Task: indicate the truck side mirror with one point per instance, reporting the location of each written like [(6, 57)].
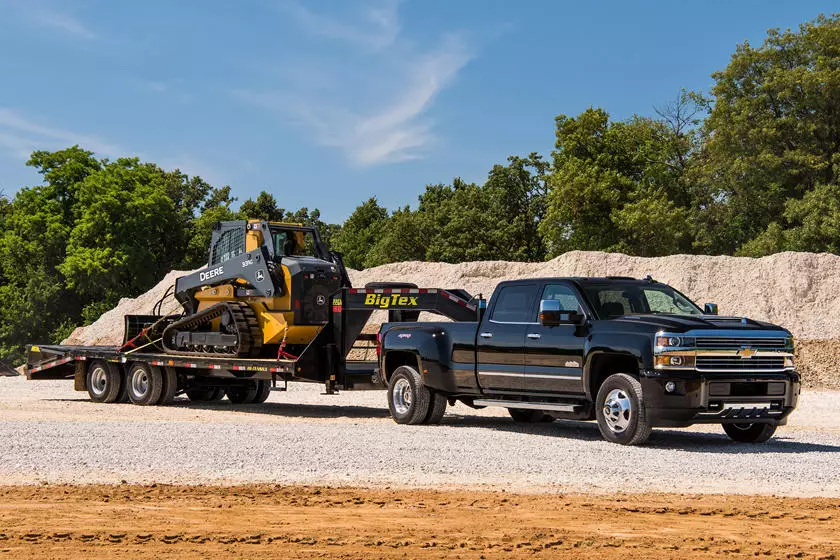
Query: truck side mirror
[(710, 309), (552, 315)]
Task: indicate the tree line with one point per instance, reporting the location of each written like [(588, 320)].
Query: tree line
[(750, 168)]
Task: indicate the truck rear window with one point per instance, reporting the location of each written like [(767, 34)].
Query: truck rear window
[(514, 304)]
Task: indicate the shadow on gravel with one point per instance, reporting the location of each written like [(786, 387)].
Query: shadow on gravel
[(666, 439), (291, 409)]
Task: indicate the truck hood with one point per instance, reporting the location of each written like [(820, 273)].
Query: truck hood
[(682, 323)]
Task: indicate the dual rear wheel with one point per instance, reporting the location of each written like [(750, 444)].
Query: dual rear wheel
[(410, 401)]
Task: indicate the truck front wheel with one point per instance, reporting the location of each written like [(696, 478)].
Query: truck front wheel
[(408, 399), (749, 433), (620, 410)]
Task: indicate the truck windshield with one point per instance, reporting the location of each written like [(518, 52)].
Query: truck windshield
[(616, 300)]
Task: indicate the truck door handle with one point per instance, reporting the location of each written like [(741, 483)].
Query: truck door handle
[(534, 336), (486, 335)]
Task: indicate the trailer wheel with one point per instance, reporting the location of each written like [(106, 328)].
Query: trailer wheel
[(145, 384), (263, 391), (170, 385), (242, 394), (408, 399), (206, 394), (103, 381)]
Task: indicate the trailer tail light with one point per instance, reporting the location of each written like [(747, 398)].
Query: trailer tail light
[(378, 345)]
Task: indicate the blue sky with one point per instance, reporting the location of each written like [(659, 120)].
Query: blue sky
[(325, 103)]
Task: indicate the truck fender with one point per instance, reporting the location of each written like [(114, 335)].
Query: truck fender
[(616, 361), (428, 347)]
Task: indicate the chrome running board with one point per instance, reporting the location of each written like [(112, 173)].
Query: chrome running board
[(530, 405)]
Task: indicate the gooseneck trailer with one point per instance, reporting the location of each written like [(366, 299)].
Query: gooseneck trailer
[(139, 373)]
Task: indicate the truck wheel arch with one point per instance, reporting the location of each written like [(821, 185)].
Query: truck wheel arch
[(601, 364), (394, 359)]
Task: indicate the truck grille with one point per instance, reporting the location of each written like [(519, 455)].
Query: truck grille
[(727, 343), (735, 363)]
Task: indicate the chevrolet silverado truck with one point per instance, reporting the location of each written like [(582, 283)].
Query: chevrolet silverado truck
[(631, 354)]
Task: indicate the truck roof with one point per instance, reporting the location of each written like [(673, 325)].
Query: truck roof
[(590, 279)]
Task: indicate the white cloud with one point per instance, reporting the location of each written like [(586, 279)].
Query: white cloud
[(378, 28), (20, 136), (376, 108), (61, 21), (45, 13)]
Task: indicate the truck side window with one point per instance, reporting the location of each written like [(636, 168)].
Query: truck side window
[(514, 304), (564, 294)]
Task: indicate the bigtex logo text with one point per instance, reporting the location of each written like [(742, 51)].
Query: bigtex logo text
[(384, 301)]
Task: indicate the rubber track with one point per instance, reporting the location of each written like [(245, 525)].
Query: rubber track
[(249, 335)]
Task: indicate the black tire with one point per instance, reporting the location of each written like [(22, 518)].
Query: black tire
[(408, 399), (263, 391), (750, 433), (242, 394), (145, 384), (437, 409), (104, 381), (529, 416), (623, 419), (170, 386), (205, 394)]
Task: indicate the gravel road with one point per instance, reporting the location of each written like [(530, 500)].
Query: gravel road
[(49, 433)]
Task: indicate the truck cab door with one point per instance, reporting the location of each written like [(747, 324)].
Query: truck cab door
[(554, 355), (500, 345)]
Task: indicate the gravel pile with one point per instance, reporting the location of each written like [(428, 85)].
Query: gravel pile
[(53, 434)]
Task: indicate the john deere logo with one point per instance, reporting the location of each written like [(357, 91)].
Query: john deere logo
[(747, 353)]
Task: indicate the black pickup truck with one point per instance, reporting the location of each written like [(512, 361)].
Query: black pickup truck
[(631, 354)]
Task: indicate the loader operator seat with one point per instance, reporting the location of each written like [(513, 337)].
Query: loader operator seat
[(290, 246)]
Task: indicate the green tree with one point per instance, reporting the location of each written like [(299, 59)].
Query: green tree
[(773, 134), (404, 238), (618, 186), (360, 232)]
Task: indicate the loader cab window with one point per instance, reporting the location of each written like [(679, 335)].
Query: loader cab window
[(230, 244), (289, 243)]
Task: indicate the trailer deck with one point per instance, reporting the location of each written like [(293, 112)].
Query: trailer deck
[(325, 359)]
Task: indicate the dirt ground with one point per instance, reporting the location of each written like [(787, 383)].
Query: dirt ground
[(159, 521)]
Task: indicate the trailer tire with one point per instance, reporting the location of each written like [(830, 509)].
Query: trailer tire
[(103, 381), (205, 394), (170, 385), (263, 391), (242, 394), (408, 399), (437, 409), (145, 384)]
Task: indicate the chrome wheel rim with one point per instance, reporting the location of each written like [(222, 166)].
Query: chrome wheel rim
[(401, 396), (617, 413), (98, 381), (140, 382)]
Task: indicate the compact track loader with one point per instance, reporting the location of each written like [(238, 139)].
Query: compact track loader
[(265, 289)]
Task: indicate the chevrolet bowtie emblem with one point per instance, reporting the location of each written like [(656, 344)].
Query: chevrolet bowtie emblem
[(747, 353)]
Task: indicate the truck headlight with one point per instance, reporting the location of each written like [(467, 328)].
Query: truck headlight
[(673, 341)]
